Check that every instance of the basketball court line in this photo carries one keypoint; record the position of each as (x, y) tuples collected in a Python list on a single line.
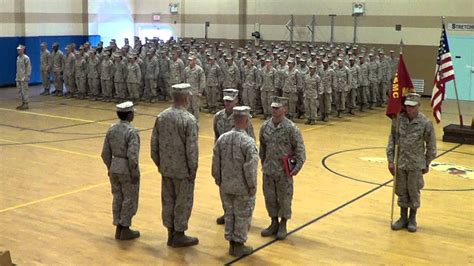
[(375, 183), (328, 213), (86, 188), (52, 132)]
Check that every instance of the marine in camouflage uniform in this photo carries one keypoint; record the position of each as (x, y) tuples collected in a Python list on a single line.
[(176, 70), (23, 74), (234, 168), (120, 154), (107, 76), (93, 75), (174, 150), (249, 84), (291, 85), (363, 89), (152, 71), (385, 78), (57, 67), (268, 86), (231, 74), (343, 83), (164, 77), (120, 78), (223, 122), (213, 81), (80, 73), (354, 84), (300, 106), (279, 137), (311, 88), (45, 67), (134, 77), (328, 82), (69, 78), (374, 78), (417, 148), (195, 76)]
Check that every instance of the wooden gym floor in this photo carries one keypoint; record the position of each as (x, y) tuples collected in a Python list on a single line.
[(55, 200)]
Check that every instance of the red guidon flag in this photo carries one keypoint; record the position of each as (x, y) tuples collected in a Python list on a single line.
[(400, 88)]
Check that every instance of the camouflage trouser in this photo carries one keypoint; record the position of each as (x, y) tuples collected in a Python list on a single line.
[(94, 85), (141, 87), (121, 90), (248, 96), (351, 98), (133, 90), (340, 100), (293, 101), (45, 80), (177, 197), (266, 97), (408, 186), (311, 105), (258, 101), (70, 83), (300, 106), (193, 107), (58, 81), (382, 92), (23, 87), (150, 89), (373, 90), (81, 85), (107, 88), (238, 216), (125, 199), (278, 192), (212, 94), (325, 103), (362, 92), (164, 86)]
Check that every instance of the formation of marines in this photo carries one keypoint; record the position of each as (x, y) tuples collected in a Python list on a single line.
[(320, 80)]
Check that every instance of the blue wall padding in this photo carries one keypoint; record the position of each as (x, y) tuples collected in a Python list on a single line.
[(8, 53)]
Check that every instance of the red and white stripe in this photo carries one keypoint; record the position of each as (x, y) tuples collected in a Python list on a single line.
[(444, 73)]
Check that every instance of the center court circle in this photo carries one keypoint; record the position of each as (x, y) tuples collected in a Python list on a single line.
[(368, 168)]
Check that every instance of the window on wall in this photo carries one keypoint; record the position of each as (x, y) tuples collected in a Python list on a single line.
[(115, 23), (162, 31)]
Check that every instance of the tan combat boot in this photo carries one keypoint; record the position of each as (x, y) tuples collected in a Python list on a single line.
[(220, 220), (182, 240), (412, 221), (170, 236), (241, 250), (128, 234), (272, 229), (281, 235), (403, 221)]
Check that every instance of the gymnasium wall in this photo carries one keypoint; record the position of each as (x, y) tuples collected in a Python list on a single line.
[(236, 19), (31, 22)]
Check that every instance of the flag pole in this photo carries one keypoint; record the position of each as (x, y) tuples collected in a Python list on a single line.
[(455, 88), (395, 163)]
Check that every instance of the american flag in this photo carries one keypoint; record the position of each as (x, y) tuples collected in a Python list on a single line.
[(444, 73)]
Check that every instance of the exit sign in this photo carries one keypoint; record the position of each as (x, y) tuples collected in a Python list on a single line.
[(156, 17)]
